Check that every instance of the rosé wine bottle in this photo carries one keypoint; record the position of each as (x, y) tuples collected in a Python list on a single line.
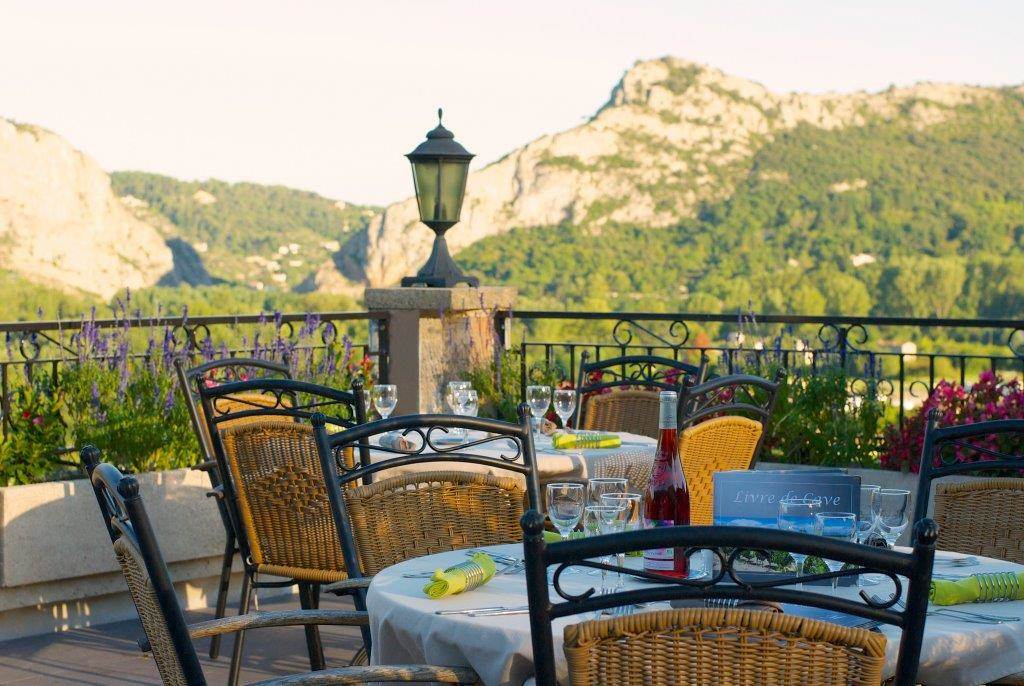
[(667, 501)]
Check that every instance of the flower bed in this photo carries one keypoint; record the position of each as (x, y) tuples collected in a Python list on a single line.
[(117, 388)]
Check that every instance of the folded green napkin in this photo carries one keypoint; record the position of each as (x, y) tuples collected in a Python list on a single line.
[(585, 439), (991, 587), (555, 537), (464, 576)]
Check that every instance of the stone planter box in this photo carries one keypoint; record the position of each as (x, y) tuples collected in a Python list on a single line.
[(57, 568)]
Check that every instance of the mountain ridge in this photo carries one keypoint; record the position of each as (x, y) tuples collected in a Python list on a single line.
[(664, 141)]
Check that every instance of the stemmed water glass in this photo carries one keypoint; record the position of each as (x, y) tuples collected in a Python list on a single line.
[(385, 397), (630, 516), (867, 520), (451, 399), (539, 399), (565, 403), (565, 506), (599, 486), (797, 514), (468, 402), (841, 526), (893, 504)]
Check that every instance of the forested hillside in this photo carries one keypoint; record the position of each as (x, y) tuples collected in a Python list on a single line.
[(888, 218), (248, 234)]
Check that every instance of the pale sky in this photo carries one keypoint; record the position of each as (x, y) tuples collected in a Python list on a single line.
[(329, 96)]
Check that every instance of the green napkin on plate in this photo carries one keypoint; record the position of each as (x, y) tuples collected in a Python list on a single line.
[(464, 576), (585, 439), (978, 588), (555, 537)]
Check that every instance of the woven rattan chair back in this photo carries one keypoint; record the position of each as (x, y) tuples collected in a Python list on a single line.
[(285, 401), (631, 411), (721, 443), (220, 371), (282, 499), (423, 513), (145, 572), (648, 374), (971, 449), (736, 395), (721, 647), (982, 518), (441, 507), (711, 646)]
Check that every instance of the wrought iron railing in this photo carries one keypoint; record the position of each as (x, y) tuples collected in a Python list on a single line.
[(37, 347), (904, 357)]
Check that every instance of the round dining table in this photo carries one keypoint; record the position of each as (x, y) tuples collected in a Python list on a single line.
[(552, 465), (407, 629)]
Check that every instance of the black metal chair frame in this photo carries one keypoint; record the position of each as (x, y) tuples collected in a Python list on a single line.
[(322, 397), (726, 543), (423, 426), (936, 438), (699, 402), (186, 381), (647, 371), (124, 516)]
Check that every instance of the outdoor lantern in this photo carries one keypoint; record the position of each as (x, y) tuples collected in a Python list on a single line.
[(440, 166)]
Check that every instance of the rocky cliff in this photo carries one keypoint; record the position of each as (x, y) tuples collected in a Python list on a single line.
[(61, 225), (672, 134)]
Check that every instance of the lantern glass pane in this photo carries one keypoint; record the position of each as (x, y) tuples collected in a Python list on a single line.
[(424, 176), (453, 186)]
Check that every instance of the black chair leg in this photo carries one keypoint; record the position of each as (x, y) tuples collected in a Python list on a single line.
[(236, 653), (222, 590), (309, 599)]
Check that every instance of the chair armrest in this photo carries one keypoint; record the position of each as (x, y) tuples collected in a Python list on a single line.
[(364, 675), (347, 585), (260, 620), (205, 466)]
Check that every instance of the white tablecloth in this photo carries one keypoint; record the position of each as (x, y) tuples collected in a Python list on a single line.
[(406, 629), (552, 465)]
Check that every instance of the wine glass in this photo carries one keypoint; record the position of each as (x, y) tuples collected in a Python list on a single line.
[(565, 403), (841, 526), (630, 517), (468, 402), (539, 398), (868, 516), (866, 523), (893, 504), (385, 397), (601, 485), (565, 506), (797, 514), (449, 396)]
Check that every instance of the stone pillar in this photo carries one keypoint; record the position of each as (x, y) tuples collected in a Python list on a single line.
[(435, 335)]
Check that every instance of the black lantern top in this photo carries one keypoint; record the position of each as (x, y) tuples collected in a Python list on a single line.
[(440, 144)]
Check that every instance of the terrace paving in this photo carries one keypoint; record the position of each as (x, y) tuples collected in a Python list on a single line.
[(108, 655)]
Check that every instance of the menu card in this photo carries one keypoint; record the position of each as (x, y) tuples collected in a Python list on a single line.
[(751, 497)]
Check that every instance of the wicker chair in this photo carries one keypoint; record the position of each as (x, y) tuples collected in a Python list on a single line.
[(228, 369), (718, 444), (715, 646), (739, 395), (169, 638), (423, 513), (621, 393), (980, 517), (723, 646), (420, 513), (269, 469)]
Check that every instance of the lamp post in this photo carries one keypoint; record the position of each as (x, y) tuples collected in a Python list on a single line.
[(440, 166)]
